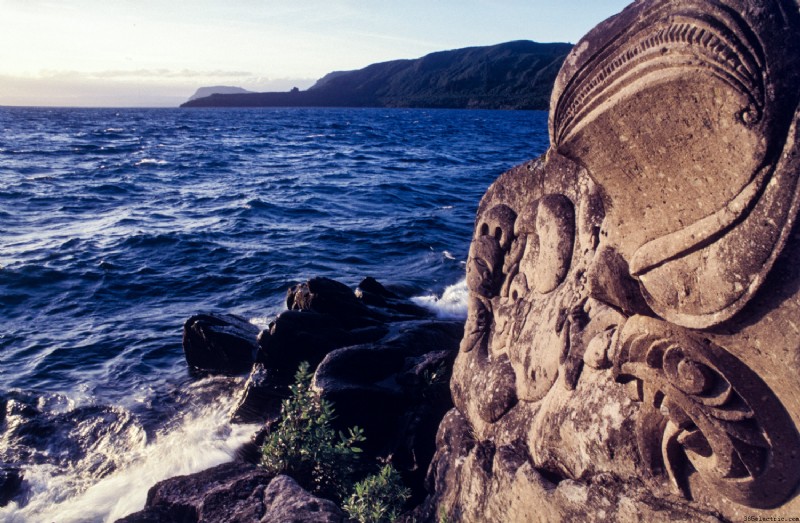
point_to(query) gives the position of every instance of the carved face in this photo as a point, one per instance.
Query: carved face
(528, 274)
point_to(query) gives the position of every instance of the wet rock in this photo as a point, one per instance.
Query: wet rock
(220, 343)
(228, 492)
(382, 360)
(396, 390)
(67, 439)
(330, 297)
(297, 336)
(250, 452)
(261, 396)
(371, 292)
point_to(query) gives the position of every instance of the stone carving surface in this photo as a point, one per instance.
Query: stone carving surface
(694, 98)
(632, 343)
(703, 405)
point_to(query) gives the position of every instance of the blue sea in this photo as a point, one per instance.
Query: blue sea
(117, 225)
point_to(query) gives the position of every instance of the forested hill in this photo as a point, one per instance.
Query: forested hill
(513, 75)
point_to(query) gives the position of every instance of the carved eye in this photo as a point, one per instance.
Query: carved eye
(498, 223)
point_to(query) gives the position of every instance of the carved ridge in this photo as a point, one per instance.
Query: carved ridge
(722, 46)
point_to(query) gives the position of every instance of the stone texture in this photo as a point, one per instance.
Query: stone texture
(327, 296)
(396, 390)
(286, 501)
(233, 492)
(199, 497)
(261, 396)
(297, 336)
(220, 343)
(632, 347)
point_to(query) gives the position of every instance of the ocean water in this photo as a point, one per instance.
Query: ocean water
(117, 225)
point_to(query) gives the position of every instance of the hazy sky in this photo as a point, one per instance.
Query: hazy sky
(158, 52)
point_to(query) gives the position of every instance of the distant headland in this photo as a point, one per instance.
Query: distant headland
(217, 89)
(512, 75)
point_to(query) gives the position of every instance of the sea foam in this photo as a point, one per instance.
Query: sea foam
(452, 304)
(201, 438)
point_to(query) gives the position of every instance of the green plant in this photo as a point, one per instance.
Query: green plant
(307, 448)
(379, 498)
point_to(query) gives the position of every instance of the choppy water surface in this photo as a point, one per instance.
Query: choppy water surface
(117, 225)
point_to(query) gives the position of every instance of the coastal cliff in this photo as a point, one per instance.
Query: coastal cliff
(513, 75)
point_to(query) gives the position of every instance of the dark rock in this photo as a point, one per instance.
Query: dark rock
(371, 292)
(10, 483)
(233, 492)
(333, 298)
(383, 366)
(219, 343)
(239, 500)
(286, 501)
(297, 336)
(228, 492)
(43, 437)
(372, 286)
(260, 398)
(250, 452)
(158, 515)
(396, 390)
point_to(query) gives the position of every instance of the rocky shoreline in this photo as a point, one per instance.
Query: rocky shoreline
(383, 361)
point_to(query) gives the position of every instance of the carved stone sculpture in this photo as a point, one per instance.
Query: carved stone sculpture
(632, 350)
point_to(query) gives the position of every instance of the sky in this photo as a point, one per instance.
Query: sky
(155, 53)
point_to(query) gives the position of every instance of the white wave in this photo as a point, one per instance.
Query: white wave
(200, 440)
(452, 304)
(262, 322)
(151, 161)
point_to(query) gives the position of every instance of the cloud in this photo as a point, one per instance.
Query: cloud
(134, 88)
(136, 74)
(168, 73)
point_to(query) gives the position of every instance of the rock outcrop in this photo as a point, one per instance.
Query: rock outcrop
(220, 343)
(632, 348)
(382, 361)
(395, 389)
(233, 492)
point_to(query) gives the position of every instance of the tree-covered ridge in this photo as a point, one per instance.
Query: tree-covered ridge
(513, 75)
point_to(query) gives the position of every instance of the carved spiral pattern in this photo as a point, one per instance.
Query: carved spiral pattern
(701, 410)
